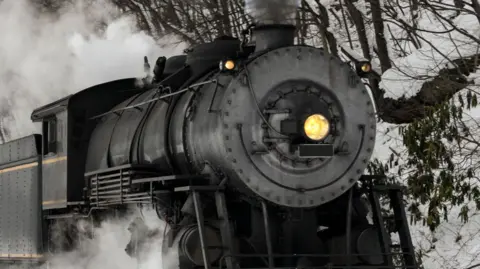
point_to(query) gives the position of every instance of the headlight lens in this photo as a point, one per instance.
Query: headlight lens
(366, 67)
(316, 127)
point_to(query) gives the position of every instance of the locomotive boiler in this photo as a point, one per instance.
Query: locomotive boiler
(253, 151)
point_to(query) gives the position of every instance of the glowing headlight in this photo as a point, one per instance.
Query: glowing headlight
(228, 65)
(316, 127)
(366, 67)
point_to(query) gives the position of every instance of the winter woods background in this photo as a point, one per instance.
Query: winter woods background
(427, 56)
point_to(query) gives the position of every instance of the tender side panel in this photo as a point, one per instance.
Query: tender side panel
(20, 200)
(20, 149)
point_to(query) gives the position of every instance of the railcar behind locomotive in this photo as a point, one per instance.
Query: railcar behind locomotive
(252, 152)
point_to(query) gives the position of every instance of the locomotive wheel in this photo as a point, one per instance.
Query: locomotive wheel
(186, 250)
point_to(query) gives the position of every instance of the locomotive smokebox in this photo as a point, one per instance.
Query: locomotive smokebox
(275, 22)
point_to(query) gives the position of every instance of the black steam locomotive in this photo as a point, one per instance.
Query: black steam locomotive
(252, 152)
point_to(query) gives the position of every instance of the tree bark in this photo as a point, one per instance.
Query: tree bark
(323, 22)
(382, 47)
(360, 26)
(225, 15)
(434, 92)
(332, 41)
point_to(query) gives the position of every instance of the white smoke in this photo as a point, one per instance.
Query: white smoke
(107, 249)
(44, 58)
(272, 11)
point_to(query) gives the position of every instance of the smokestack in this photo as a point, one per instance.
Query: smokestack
(275, 22)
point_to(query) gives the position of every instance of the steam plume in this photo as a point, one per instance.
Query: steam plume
(272, 11)
(44, 58)
(106, 250)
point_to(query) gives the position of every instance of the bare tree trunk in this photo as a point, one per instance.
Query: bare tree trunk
(459, 4)
(302, 25)
(332, 41)
(322, 21)
(380, 35)
(414, 14)
(360, 26)
(414, 5)
(226, 17)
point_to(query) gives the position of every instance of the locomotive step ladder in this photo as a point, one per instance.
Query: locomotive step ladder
(226, 231)
(394, 193)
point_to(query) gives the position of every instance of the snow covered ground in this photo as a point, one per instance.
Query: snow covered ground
(42, 60)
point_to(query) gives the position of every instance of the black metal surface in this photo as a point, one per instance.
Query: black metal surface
(241, 130)
(316, 150)
(183, 116)
(97, 157)
(226, 230)
(173, 104)
(54, 184)
(21, 199)
(194, 136)
(127, 184)
(395, 197)
(54, 172)
(20, 149)
(289, 126)
(185, 250)
(271, 36)
(348, 232)
(152, 138)
(379, 222)
(84, 105)
(190, 243)
(122, 126)
(73, 134)
(102, 95)
(50, 109)
(207, 56)
(115, 185)
(201, 228)
(268, 235)
(361, 255)
(174, 64)
(401, 223)
(128, 122)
